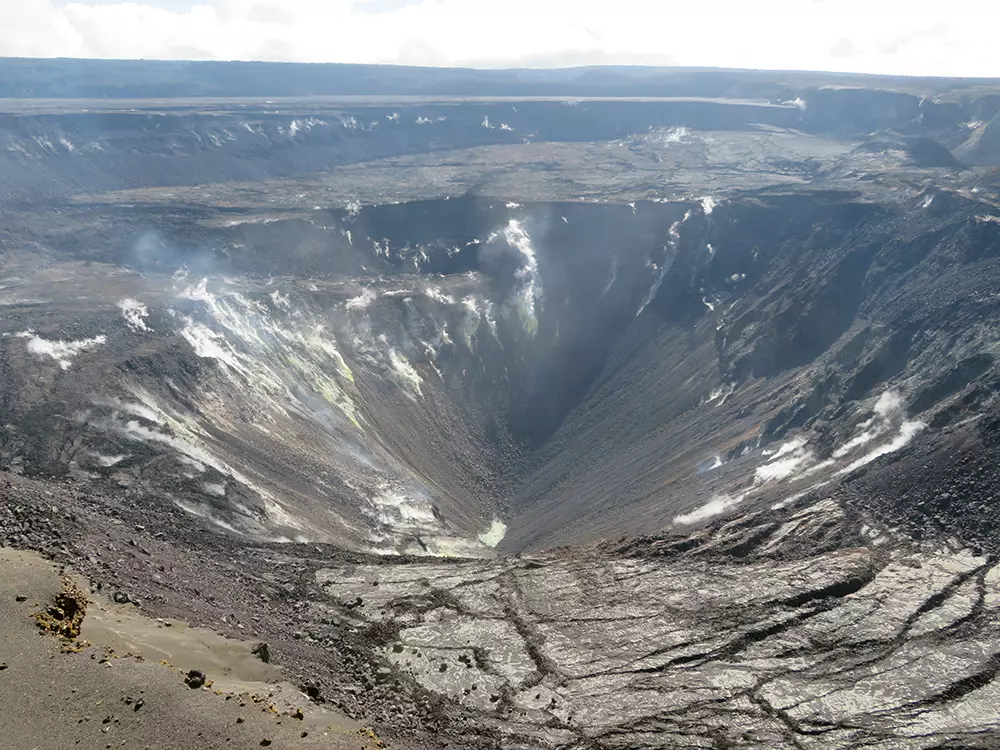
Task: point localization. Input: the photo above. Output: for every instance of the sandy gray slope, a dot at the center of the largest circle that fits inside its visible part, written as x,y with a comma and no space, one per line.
109,687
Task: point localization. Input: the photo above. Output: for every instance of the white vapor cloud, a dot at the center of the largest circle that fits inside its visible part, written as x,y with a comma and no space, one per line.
912,37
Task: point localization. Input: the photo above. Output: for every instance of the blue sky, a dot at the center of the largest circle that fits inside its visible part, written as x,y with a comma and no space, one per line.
911,37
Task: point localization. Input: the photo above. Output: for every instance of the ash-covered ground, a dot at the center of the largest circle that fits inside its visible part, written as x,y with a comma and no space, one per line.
529,422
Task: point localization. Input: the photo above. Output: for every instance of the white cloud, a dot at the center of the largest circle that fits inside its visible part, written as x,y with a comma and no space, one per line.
891,36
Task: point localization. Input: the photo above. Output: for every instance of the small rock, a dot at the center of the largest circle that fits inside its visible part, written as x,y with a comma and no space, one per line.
263,652
120,597
20,599
265,743
195,679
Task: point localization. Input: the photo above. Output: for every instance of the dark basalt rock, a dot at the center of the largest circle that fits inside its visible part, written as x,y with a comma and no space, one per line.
195,679
262,652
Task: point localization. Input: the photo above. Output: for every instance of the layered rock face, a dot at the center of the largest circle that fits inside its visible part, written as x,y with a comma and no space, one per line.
618,423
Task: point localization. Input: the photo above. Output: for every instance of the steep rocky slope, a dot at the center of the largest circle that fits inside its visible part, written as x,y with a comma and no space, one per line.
571,370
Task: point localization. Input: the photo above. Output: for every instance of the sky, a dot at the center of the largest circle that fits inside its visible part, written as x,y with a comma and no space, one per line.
901,37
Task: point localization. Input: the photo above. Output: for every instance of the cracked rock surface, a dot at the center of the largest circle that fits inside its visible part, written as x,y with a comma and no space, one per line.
767,631
849,648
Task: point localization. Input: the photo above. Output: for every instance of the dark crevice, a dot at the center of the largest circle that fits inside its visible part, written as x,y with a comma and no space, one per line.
837,590
960,688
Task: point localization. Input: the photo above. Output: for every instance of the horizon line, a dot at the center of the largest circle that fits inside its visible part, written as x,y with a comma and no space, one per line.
512,69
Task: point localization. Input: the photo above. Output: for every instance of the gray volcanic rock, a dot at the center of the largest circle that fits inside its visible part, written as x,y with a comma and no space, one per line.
528,422
843,649
983,142
509,364
797,627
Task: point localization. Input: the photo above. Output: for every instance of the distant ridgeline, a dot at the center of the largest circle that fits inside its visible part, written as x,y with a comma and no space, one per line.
67,78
